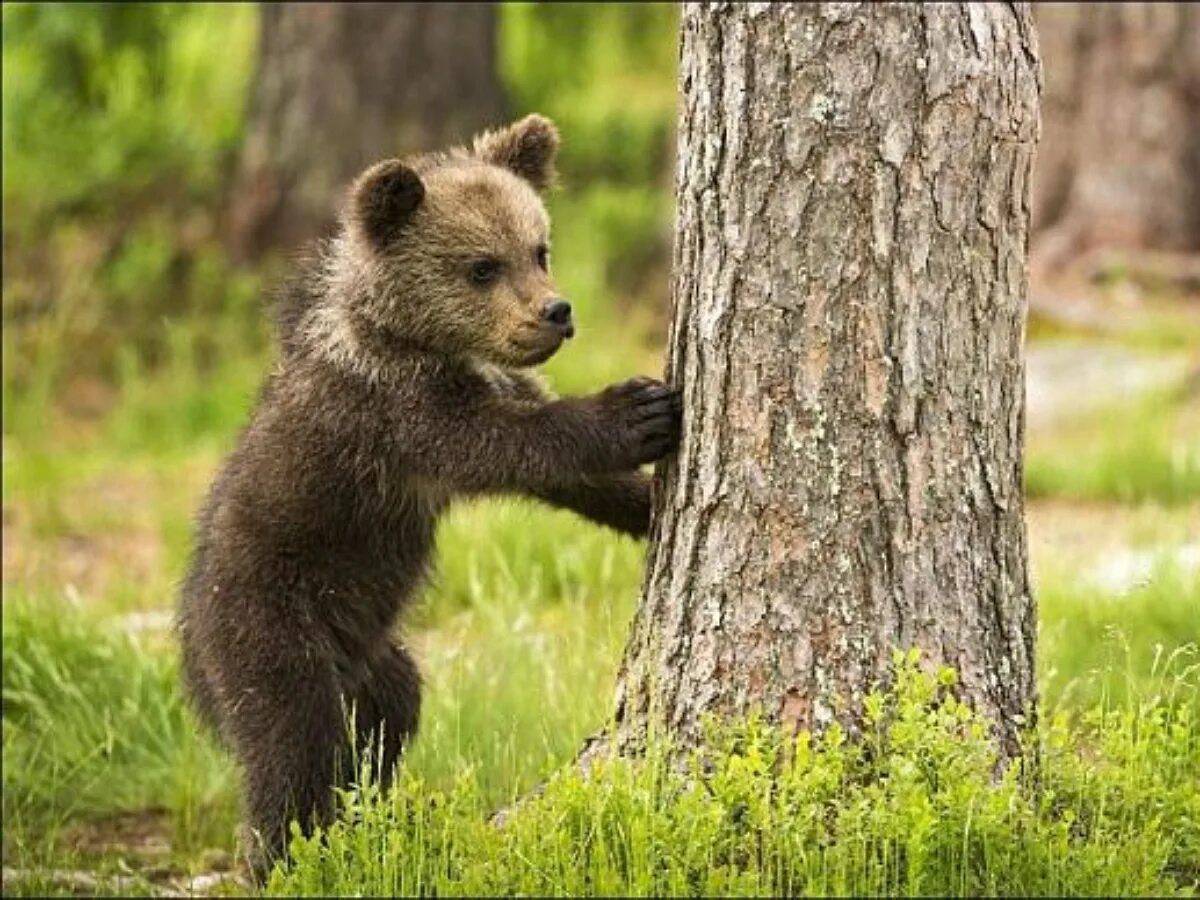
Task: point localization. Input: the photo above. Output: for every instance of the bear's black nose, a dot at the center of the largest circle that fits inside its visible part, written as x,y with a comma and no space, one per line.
558,312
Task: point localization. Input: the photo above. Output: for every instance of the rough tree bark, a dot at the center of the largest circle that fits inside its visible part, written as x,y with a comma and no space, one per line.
340,85
1119,164
849,303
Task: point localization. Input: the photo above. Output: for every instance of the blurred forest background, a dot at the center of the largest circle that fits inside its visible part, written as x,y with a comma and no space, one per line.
161,163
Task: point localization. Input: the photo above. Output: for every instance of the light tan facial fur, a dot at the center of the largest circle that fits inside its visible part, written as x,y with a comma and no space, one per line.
419,234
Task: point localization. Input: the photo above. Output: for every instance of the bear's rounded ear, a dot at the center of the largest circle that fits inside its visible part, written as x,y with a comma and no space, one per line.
527,147
383,200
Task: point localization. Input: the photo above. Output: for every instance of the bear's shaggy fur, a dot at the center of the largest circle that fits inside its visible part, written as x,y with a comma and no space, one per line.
401,385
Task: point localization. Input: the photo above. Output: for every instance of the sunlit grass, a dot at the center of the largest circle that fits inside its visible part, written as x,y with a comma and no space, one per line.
912,809
1096,644
94,723
515,682
1149,450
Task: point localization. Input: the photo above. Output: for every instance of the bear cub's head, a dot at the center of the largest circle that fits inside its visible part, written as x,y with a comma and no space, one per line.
458,246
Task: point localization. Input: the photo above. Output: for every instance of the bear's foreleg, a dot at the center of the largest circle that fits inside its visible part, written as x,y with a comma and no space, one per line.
500,445
620,501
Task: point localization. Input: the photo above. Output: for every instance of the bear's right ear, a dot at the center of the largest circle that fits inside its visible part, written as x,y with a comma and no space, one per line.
527,148
384,199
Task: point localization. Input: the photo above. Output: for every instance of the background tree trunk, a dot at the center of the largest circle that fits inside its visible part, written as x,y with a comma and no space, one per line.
341,85
1119,164
850,263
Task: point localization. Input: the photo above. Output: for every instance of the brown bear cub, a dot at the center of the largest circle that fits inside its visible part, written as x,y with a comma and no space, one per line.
401,385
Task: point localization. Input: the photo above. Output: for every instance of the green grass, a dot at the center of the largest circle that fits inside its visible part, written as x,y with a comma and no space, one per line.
94,724
911,809
519,642
1097,646
1147,451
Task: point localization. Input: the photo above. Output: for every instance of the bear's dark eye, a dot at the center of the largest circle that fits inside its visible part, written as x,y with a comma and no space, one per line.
485,271
543,257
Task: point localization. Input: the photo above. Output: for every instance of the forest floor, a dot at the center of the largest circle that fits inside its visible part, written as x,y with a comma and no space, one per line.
108,784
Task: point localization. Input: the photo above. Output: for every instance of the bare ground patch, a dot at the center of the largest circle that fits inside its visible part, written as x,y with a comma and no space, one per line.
134,854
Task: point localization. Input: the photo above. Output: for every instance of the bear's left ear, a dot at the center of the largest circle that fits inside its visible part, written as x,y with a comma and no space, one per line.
527,147
384,198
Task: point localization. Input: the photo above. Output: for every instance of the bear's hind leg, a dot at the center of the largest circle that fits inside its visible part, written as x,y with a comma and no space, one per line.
387,706
291,735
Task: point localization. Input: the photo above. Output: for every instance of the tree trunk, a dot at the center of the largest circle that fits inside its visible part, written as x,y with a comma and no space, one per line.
1119,164
341,85
849,303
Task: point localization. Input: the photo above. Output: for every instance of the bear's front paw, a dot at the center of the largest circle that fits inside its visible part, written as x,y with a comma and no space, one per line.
644,415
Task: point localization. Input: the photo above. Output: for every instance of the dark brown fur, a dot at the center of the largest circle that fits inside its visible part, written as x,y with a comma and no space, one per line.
401,385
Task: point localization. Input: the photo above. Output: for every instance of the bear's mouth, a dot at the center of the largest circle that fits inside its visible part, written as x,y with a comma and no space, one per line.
544,344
